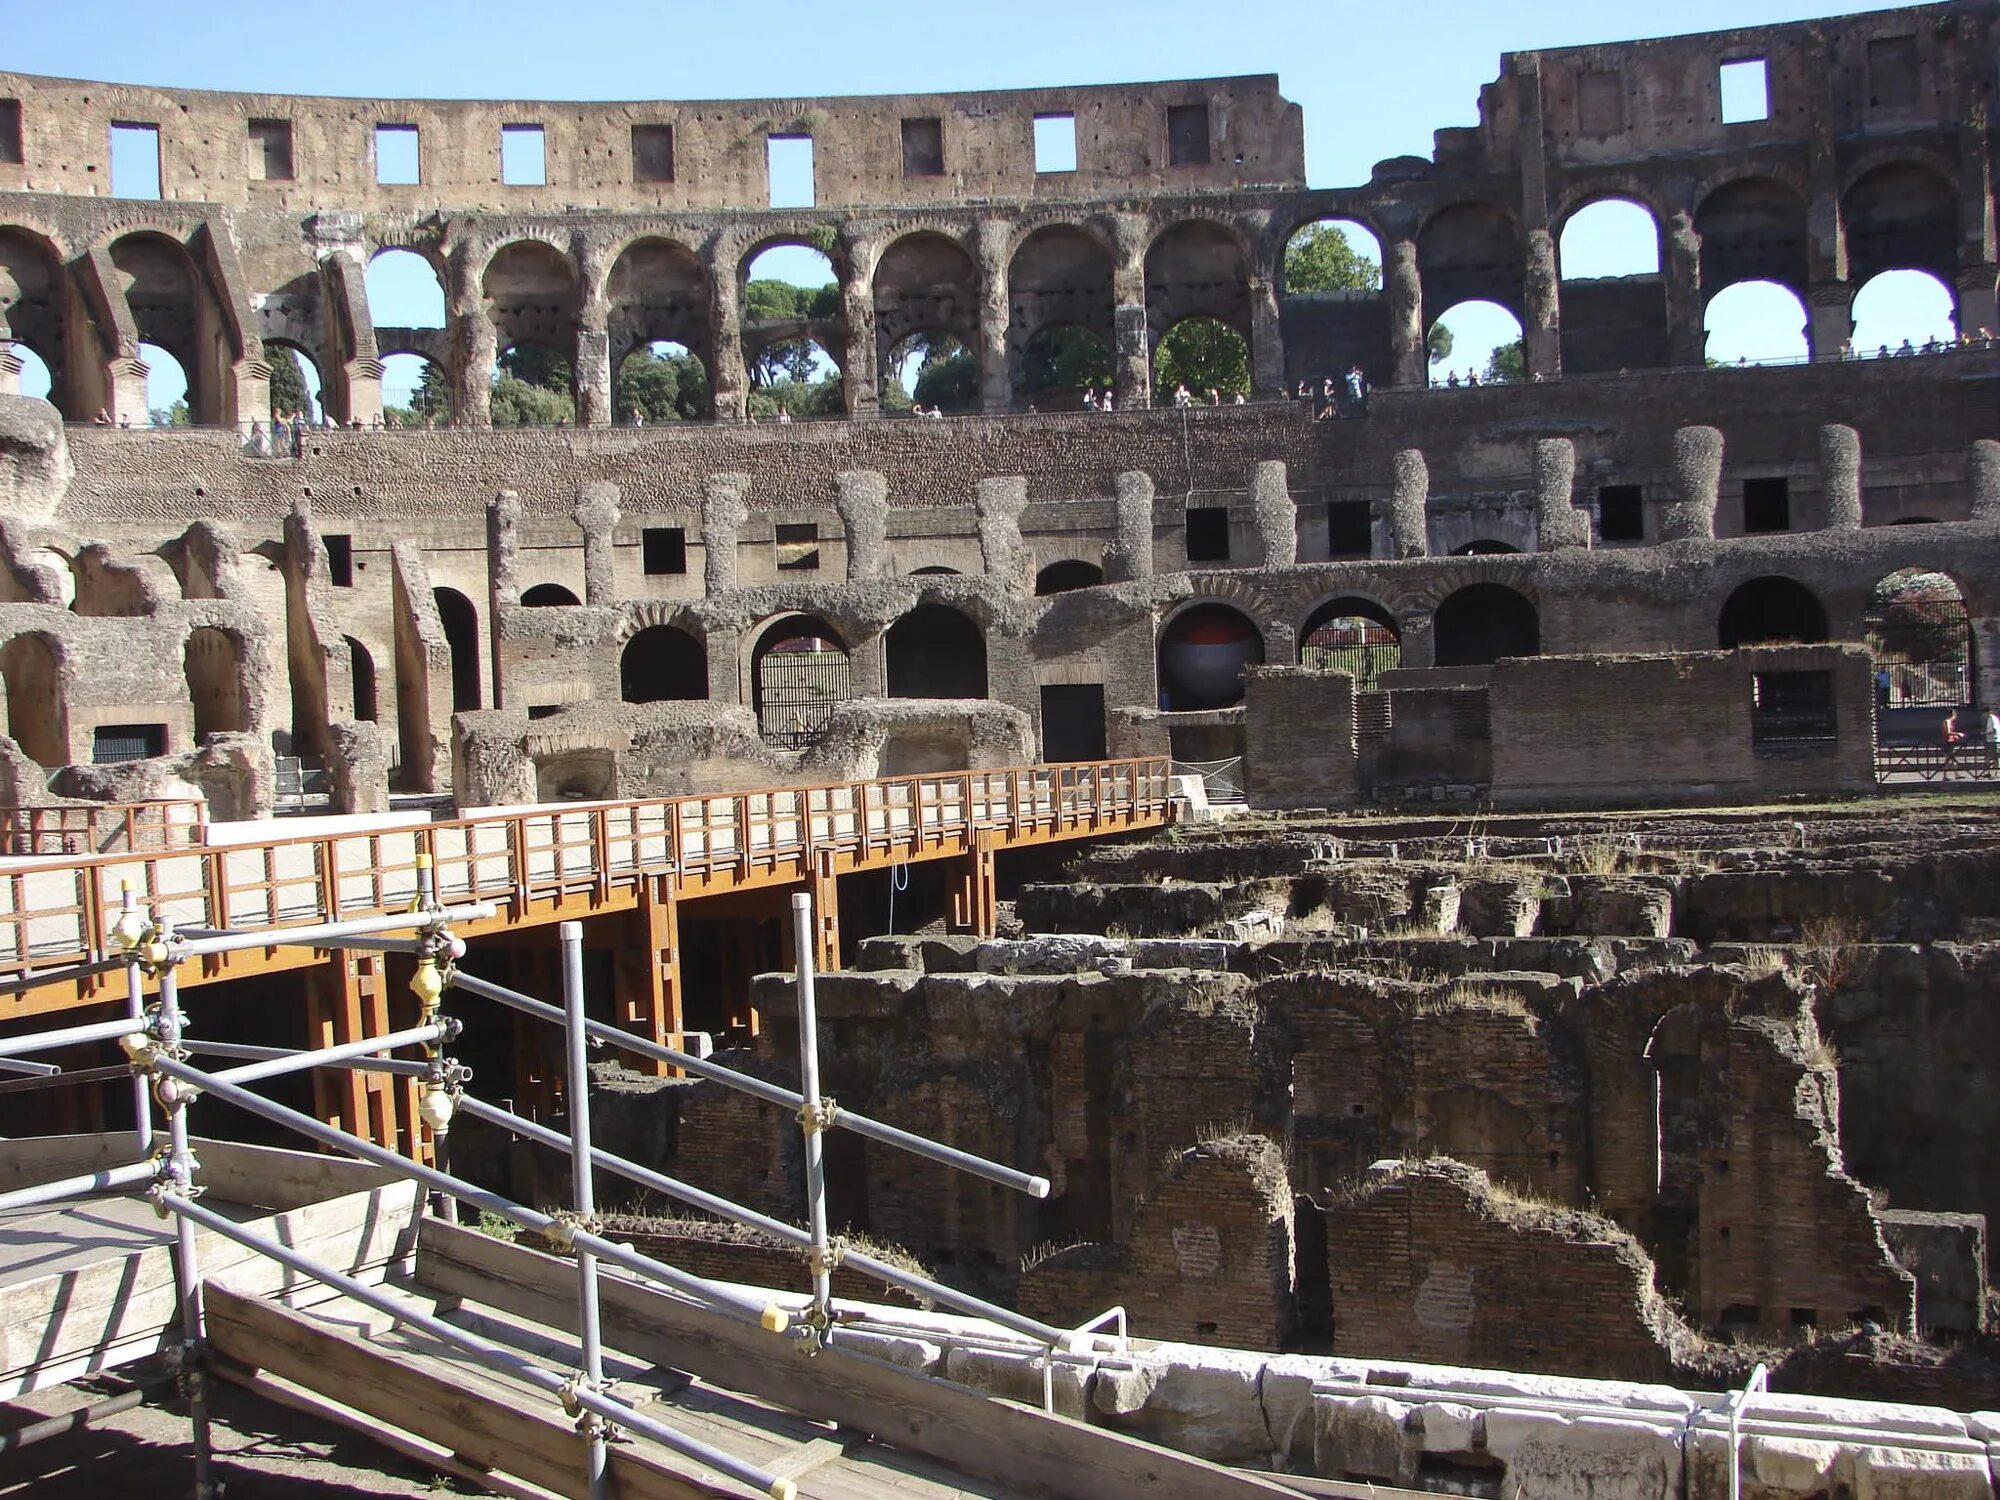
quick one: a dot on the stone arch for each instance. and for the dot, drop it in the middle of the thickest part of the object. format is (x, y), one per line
(408, 279)
(925, 282)
(799, 669)
(532, 297)
(1058, 363)
(1771, 609)
(1068, 574)
(1197, 268)
(662, 663)
(212, 660)
(1369, 250)
(1756, 322)
(1470, 252)
(1920, 632)
(460, 618)
(361, 671)
(1609, 251)
(548, 596)
(1214, 355)
(1060, 276)
(1900, 216)
(35, 672)
(935, 651)
(34, 309)
(788, 352)
(1352, 634)
(172, 309)
(1483, 622)
(1752, 229)
(1903, 306)
(658, 292)
(311, 374)
(1202, 652)
(955, 389)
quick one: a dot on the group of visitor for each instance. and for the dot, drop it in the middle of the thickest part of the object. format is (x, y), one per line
(1983, 339)
(1346, 397)
(931, 414)
(1952, 734)
(1185, 397)
(1094, 402)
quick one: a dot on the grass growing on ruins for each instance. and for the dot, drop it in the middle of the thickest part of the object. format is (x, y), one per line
(1464, 996)
(1826, 948)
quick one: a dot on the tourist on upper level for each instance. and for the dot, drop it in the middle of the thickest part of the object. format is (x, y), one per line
(1109, 403)
(1214, 396)
(102, 419)
(1182, 396)
(1907, 348)
(1357, 390)
(1089, 399)
(784, 416)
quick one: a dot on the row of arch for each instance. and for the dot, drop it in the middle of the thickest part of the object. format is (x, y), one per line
(34, 671)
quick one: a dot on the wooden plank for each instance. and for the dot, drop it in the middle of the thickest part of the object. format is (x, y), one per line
(431, 1399)
(967, 1429)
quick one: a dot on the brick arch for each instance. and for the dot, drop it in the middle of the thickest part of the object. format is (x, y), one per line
(740, 249)
(1266, 610)
(1629, 186)
(1471, 250)
(1023, 230)
(481, 252)
(644, 614)
(1901, 213)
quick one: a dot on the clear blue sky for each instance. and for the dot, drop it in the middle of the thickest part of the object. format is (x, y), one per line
(1374, 80)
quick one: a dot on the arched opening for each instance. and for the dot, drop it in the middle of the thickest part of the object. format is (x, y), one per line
(1483, 547)
(1059, 310)
(795, 380)
(404, 290)
(1614, 300)
(294, 381)
(1477, 343)
(1203, 652)
(926, 294)
(798, 671)
(1904, 312)
(1482, 623)
(936, 570)
(932, 370)
(1333, 255)
(1469, 252)
(167, 390)
(416, 391)
(1197, 269)
(1351, 635)
(792, 324)
(1330, 304)
(172, 314)
(214, 670)
(1060, 363)
(34, 306)
(1609, 237)
(662, 664)
(1921, 634)
(1201, 361)
(37, 707)
(1771, 611)
(361, 669)
(935, 652)
(1752, 230)
(1900, 216)
(461, 634)
(531, 296)
(34, 378)
(661, 382)
(1071, 573)
(1755, 323)
(548, 596)
(533, 387)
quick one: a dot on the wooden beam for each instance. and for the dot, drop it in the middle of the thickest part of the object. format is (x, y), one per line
(982, 1435)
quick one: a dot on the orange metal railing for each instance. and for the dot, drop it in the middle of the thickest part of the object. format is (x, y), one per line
(102, 827)
(57, 912)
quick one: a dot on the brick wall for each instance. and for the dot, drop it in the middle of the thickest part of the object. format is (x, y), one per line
(1299, 726)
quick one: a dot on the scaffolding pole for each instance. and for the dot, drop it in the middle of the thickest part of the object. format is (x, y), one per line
(815, 1115)
(111, 1179)
(179, 1173)
(596, 1460)
(71, 1036)
(334, 1056)
(407, 1067)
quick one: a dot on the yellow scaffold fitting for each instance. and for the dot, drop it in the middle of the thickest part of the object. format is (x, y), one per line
(437, 1107)
(775, 1319)
(817, 1115)
(427, 984)
(784, 1489)
(825, 1263)
(129, 930)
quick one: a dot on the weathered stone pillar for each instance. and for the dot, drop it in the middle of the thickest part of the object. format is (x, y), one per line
(593, 369)
(1418, 640)
(1131, 555)
(1559, 525)
(1840, 476)
(1978, 304)
(474, 344)
(1697, 476)
(1541, 329)
(995, 388)
(860, 381)
(1687, 339)
(1405, 290)
(1267, 338)
(1276, 516)
(727, 380)
(1983, 479)
(11, 366)
(862, 497)
(1006, 557)
(1409, 495)
(596, 512)
(724, 508)
(503, 550)
(125, 375)
(1829, 320)
(1132, 342)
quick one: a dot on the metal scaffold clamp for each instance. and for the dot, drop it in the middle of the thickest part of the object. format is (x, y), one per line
(825, 1261)
(565, 1224)
(172, 1175)
(817, 1115)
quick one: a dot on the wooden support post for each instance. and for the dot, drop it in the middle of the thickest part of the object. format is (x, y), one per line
(826, 913)
(974, 894)
(649, 972)
(333, 1016)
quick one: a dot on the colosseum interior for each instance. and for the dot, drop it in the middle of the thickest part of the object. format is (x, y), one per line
(1561, 970)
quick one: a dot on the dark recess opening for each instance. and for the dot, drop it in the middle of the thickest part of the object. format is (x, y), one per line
(1073, 721)
(652, 153)
(1187, 135)
(1621, 513)
(923, 148)
(110, 743)
(1208, 533)
(340, 560)
(461, 633)
(1767, 505)
(798, 546)
(10, 132)
(1350, 528)
(663, 549)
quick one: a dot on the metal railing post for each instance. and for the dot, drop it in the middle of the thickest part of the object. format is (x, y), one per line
(127, 930)
(813, 1118)
(596, 1459)
(174, 1098)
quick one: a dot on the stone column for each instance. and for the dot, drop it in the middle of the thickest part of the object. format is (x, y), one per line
(860, 381)
(1541, 329)
(125, 375)
(1697, 475)
(1276, 516)
(474, 344)
(995, 387)
(11, 366)
(1405, 291)
(1559, 525)
(727, 380)
(1409, 496)
(503, 550)
(1983, 479)
(596, 513)
(1007, 560)
(1131, 555)
(1267, 339)
(593, 368)
(1132, 348)
(1829, 320)
(862, 497)
(1978, 305)
(724, 508)
(1687, 340)
(1840, 476)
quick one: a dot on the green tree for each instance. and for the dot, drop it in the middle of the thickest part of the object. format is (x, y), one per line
(534, 365)
(1438, 343)
(664, 387)
(1203, 355)
(176, 415)
(288, 379)
(519, 404)
(948, 376)
(1508, 364)
(1065, 358)
(1320, 259)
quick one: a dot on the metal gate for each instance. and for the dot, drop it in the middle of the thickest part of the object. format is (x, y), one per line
(1222, 778)
(796, 692)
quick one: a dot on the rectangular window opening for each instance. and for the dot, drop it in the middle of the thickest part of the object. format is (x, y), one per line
(663, 549)
(652, 153)
(1792, 708)
(340, 560)
(1055, 143)
(1621, 513)
(270, 150)
(1073, 723)
(135, 160)
(798, 546)
(397, 155)
(1350, 528)
(1767, 505)
(923, 148)
(1892, 72)
(1746, 95)
(111, 743)
(1208, 533)
(523, 156)
(788, 160)
(10, 133)
(1187, 135)
(545, 710)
